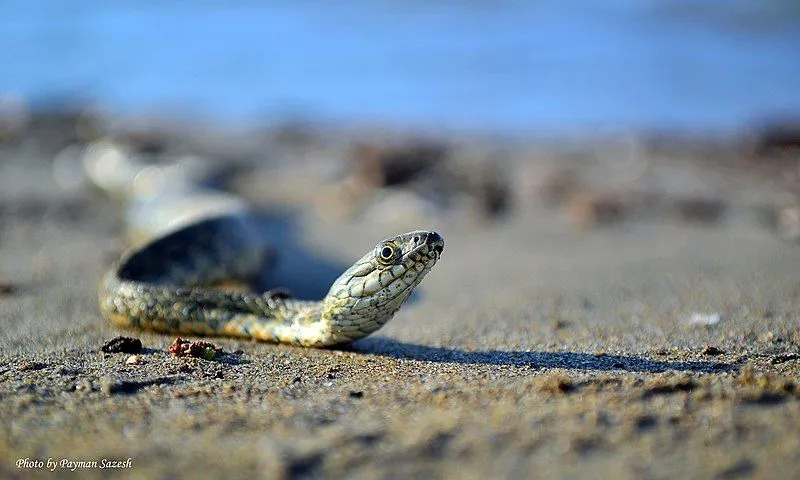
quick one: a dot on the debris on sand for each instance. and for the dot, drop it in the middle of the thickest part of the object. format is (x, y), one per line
(122, 345)
(133, 360)
(199, 349)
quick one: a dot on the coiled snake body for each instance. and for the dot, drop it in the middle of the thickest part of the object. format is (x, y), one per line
(166, 286)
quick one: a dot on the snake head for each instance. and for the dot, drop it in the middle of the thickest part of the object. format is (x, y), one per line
(368, 294)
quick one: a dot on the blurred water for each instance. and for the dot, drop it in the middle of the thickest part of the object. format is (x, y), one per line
(501, 65)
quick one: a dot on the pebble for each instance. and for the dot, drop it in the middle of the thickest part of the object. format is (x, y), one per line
(133, 360)
(122, 345)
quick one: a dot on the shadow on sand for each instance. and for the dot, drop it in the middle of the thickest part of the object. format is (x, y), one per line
(261, 250)
(306, 274)
(567, 360)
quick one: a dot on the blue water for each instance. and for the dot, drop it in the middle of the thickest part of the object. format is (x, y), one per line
(499, 65)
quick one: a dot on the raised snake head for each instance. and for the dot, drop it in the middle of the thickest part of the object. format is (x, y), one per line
(368, 294)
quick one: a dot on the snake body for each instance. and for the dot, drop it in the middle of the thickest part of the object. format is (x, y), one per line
(166, 285)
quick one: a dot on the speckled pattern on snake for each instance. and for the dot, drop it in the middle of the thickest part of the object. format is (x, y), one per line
(160, 287)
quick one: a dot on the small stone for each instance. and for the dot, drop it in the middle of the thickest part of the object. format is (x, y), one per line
(356, 394)
(133, 360)
(122, 345)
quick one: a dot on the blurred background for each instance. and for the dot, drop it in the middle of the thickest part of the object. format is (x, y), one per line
(508, 66)
(397, 115)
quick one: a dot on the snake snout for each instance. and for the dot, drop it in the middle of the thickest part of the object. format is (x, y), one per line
(435, 241)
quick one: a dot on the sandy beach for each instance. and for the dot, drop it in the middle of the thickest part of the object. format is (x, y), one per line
(618, 306)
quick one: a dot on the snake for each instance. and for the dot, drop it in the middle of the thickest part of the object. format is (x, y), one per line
(170, 284)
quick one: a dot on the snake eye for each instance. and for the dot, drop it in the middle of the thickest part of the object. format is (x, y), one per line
(387, 254)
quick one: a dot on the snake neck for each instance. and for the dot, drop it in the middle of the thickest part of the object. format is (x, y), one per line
(350, 319)
(331, 321)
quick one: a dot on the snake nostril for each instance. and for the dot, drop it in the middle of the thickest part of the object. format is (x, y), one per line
(434, 239)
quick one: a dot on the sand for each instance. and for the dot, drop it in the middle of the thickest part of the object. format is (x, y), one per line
(615, 331)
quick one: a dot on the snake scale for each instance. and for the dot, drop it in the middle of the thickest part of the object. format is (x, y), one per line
(168, 285)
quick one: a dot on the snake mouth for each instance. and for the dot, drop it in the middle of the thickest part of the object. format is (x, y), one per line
(435, 243)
